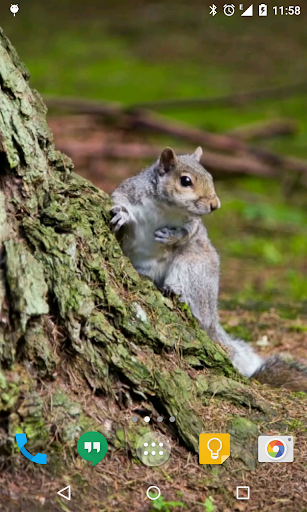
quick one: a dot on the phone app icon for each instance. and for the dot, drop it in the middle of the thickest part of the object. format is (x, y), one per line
(92, 446)
(39, 458)
(214, 448)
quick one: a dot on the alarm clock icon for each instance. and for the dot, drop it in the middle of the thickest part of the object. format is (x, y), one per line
(229, 9)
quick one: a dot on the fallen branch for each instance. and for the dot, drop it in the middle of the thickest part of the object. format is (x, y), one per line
(143, 119)
(153, 122)
(212, 161)
(268, 129)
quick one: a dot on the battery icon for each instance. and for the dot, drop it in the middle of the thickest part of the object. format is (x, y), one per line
(263, 10)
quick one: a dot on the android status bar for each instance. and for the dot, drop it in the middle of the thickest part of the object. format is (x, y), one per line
(257, 10)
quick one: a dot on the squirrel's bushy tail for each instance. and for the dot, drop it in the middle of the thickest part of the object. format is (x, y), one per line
(280, 373)
(275, 371)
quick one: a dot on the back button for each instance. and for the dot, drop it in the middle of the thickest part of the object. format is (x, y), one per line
(67, 496)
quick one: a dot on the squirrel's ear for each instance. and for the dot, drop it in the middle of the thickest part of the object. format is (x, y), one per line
(168, 160)
(197, 154)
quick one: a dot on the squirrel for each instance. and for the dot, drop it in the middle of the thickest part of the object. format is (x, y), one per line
(157, 218)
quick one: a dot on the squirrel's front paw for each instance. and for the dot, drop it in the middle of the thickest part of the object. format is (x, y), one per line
(168, 292)
(120, 216)
(168, 235)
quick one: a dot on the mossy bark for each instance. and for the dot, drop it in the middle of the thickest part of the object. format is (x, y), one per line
(73, 307)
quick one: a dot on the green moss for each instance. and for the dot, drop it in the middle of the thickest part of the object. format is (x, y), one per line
(243, 431)
(10, 384)
(38, 347)
(30, 420)
(184, 307)
(69, 417)
(25, 279)
(219, 387)
(128, 438)
(242, 427)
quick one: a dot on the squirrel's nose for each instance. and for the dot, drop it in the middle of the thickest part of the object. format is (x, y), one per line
(215, 204)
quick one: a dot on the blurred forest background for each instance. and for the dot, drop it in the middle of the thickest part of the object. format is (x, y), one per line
(132, 54)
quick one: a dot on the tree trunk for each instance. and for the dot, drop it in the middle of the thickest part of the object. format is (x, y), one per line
(84, 341)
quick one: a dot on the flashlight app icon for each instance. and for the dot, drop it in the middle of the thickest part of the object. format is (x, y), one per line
(214, 448)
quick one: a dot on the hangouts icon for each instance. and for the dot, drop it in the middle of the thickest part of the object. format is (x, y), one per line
(92, 446)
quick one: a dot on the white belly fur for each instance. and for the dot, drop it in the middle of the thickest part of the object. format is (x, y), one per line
(148, 256)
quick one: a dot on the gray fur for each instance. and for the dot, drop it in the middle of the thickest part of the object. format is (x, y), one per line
(163, 235)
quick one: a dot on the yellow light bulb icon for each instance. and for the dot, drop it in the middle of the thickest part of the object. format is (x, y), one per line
(214, 445)
(214, 448)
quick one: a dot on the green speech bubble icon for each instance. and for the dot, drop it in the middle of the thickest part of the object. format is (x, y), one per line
(92, 446)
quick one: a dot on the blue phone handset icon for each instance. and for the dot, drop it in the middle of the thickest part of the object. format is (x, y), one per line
(39, 458)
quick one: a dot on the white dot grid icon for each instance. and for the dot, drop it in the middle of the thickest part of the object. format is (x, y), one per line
(147, 450)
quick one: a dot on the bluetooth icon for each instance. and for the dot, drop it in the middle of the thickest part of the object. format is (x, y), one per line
(213, 9)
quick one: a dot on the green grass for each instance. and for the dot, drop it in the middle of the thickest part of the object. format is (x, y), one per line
(267, 236)
(166, 506)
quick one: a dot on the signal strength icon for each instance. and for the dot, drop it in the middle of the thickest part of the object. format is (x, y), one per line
(249, 11)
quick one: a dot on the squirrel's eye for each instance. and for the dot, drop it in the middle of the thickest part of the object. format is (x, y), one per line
(186, 181)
